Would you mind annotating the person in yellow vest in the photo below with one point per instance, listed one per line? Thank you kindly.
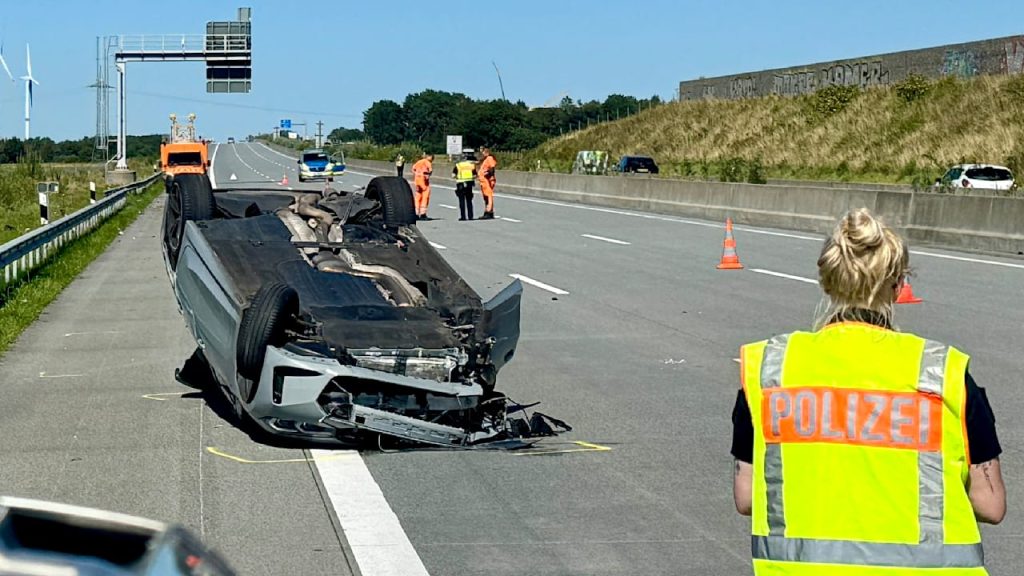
(400, 164)
(861, 450)
(464, 172)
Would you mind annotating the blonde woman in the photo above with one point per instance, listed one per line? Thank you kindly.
(868, 450)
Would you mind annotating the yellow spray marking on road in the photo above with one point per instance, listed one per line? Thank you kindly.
(583, 447)
(240, 460)
(156, 396)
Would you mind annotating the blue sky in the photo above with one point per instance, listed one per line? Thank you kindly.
(329, 60)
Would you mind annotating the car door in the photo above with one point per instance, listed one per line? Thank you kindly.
(501, 322)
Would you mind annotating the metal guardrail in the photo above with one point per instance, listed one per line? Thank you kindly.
(27, 252)
(159, 44)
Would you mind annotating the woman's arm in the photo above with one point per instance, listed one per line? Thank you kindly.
(742, 490)
(987, 492)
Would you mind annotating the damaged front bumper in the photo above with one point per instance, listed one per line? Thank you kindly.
(321, 400)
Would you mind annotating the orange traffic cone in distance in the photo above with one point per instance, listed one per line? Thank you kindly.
(284, 180)
(906, 295)
(730, 260)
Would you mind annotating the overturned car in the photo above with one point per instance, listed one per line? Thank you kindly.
(327, 315)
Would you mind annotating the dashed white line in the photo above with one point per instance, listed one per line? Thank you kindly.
(538, 284)
(782, 275)
(438, 246)
(507, 219)
(246, 164)
(448, 206)
(378, 542)
(262, 157)
(603, 239)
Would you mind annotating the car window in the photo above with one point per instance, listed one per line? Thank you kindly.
(989, 174)
(314, 157)
(185, 159)
(953, 174)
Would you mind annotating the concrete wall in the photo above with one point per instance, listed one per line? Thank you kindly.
(996, 56)
(984, 223)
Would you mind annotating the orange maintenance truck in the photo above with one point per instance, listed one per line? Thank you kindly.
(182, 152)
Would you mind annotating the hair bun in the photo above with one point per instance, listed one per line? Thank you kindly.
(862, 231)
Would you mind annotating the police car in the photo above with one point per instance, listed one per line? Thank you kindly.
(316, 164)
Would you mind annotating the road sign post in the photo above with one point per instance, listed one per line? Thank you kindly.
(44, 189)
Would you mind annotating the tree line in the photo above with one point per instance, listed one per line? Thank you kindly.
(427, 117)
(73, 151)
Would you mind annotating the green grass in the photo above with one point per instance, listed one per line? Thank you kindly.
(23, 302)
(908, 133)
(19, 204)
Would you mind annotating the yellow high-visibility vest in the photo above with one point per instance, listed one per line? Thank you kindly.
(860, 455)
(464, 171)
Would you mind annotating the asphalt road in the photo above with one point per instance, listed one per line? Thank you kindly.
(631, 338)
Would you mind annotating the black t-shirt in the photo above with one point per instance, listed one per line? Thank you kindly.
(981, 427)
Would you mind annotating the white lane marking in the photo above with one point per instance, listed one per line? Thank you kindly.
(713, 225)
(782, 275)
(246, 164)
(45, 375)
(539, 284)
(378, 542)
(507, 219)
(603, 239)
(213, 158)
(448, 206)
(69, 334)
(966, 259)
(292, 158)
(737, 360)
(438, 246)
(262, 157)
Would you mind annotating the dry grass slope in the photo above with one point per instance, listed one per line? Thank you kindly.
(880, 135)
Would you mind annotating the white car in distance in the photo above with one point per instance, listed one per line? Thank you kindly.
(980, 176)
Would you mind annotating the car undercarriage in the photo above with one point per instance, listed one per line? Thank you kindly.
(328, 316)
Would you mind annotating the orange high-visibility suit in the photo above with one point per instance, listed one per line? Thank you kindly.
(422, 170)
(485, 174)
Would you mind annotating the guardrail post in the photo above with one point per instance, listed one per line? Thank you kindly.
(92, 192)
(44, 209)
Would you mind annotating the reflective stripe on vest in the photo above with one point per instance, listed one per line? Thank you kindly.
(465, 171)
(820, 415)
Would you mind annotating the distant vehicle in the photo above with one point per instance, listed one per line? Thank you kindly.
(316, 164)
(637, 164)
(231, 139)
(980, 176)
(592, 162)
(184, 152)
(38, 537)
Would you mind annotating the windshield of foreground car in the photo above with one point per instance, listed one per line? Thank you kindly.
(318, 157)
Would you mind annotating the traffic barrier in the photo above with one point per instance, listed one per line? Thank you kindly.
(986, 223)
(906, 295)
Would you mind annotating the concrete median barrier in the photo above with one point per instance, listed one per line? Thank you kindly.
(983, 223)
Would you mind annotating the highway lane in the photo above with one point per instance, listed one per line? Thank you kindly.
(638, 356)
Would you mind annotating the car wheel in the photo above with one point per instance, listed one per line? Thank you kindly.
(395, 197)
(189, 198)
(263, 324)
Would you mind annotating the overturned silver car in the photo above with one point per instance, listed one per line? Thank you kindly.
(327, 315)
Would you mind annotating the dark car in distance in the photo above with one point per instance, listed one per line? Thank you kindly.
(637, 164)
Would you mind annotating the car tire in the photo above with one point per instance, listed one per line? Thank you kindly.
(263, 324)
(189, 198)
(395, 198)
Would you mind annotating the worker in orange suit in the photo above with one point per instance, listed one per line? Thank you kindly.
(422, 170)
(485, 175)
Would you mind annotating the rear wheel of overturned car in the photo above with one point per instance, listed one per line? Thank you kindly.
(189, 197)
(395, 198)
(263, 324)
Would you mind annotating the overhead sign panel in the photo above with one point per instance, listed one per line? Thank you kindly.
(228, 50)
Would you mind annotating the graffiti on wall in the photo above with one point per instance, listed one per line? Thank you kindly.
(863, 74)
(709, 92)
(1013, 58)
(742, 88)
(962, 63)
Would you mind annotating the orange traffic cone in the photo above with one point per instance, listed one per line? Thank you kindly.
(906, 295)
(730, 260)
(284, 180)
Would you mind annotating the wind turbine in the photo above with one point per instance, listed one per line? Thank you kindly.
(4, 62)
(29, 81)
